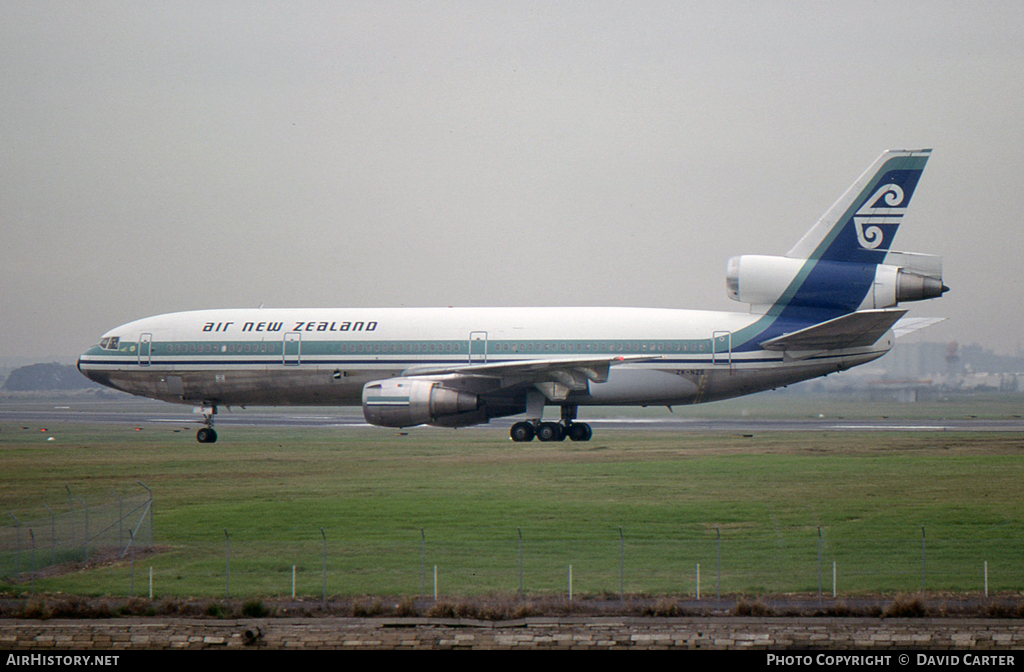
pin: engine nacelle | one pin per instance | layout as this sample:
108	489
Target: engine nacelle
405	402
758	279
894	284
761	280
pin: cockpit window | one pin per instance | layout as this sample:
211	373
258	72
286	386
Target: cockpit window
110	343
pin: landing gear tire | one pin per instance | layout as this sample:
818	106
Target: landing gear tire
580	431
206	433
550	431
522	432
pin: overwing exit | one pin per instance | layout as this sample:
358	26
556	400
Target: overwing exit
829	304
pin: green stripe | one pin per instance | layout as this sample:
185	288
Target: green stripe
417	347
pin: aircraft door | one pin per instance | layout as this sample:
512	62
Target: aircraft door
145	349
292	348
721	348
478	347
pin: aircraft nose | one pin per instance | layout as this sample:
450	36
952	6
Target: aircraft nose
86	371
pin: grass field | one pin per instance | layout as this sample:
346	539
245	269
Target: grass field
393	503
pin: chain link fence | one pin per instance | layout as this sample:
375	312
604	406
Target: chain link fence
74	530
443	563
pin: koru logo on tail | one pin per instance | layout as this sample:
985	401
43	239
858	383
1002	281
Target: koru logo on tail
886	206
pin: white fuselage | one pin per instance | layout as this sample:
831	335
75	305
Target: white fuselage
326	356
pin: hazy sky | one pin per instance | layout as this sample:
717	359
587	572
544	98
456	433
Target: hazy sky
164	156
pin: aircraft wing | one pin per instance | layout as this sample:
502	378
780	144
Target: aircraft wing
593	368
855	330
555	378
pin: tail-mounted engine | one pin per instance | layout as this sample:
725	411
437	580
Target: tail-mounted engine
405	402
762	281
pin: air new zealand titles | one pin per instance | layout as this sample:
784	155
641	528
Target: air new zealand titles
311	325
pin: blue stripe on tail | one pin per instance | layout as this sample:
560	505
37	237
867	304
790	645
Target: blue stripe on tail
841	258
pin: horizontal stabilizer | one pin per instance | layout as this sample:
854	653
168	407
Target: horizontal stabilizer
856	330
911	324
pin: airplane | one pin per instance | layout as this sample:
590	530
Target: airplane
829	304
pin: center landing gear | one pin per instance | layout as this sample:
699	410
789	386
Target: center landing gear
207	434
553	431
523	431
580	431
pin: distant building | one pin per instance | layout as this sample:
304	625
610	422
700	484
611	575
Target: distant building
916	371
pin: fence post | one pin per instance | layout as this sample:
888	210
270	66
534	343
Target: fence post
520	530
120	519
86	507
323	597
131	574
148	510
622	564
152	523
718	589
17	543
423	563
923	564
53	536
32	566
71	516
227	565
819	562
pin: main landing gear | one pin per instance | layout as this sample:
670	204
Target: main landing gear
206	434
553	431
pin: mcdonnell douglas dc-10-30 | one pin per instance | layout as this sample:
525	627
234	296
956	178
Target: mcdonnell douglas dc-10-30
829	304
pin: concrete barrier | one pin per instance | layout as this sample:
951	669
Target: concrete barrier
531	633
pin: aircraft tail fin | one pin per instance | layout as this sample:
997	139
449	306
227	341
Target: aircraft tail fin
844	263
860	226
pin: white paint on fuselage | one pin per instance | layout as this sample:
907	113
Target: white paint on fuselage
411	324
692	374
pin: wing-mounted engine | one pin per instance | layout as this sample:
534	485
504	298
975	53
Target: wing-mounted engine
763	281
405	402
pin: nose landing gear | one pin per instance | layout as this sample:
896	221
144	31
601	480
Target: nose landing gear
206	434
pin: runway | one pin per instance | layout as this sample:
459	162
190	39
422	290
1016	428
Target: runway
141	412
